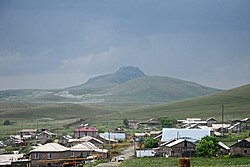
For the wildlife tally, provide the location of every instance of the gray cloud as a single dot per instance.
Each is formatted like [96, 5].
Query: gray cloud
[202, 41]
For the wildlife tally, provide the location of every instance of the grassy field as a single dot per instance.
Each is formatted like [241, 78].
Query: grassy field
[194, 162]
[110, 116]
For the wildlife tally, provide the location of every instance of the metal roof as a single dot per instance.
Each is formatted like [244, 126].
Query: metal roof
[117, 136]
[174, 133]
[50, 147]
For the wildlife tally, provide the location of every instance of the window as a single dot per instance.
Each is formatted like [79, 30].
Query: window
[36, 156]
[49, 156]
[245, 151]
[72, 154]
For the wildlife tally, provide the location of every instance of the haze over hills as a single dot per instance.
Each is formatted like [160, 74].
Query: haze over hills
[127, 85]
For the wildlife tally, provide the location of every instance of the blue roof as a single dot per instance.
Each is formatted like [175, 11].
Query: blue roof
[114, 136]
[173, 133]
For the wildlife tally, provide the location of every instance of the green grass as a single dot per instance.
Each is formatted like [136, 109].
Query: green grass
[236, 102]
[194, 162]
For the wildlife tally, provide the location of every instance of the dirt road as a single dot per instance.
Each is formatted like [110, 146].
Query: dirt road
[127, 153]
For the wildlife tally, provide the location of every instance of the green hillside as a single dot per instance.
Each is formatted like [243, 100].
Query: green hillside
[236, 102]
[54, 111]
[156, 89]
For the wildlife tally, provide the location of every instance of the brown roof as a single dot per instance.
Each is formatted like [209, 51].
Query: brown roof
[86, 129]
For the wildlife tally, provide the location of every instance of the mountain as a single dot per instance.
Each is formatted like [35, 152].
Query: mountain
[127, 85]
[236, 106]
[102, 82]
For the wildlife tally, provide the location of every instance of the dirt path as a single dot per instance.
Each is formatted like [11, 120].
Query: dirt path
[127, 153]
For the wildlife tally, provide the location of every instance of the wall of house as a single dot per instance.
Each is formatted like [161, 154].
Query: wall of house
[181, 149]
[43, 158]
[79, 134]
[240, 151]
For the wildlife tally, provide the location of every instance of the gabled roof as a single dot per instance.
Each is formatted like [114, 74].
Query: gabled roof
[171, 144]
[173, 133]
[50, 147]
[234, 125]
[87, 146]
[83, 146]
[85, 139]
[86, 129]
[211, 119]
[247, 141]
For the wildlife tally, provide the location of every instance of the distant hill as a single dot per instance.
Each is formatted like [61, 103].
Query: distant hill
[127, 85]
[236, 106]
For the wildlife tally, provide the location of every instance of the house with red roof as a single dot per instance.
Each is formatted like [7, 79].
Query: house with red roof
[85, 131]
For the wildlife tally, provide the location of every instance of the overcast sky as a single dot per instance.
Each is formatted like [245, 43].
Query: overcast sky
[62, 43]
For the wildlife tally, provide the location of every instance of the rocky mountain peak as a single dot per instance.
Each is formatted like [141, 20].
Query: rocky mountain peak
[131, 71]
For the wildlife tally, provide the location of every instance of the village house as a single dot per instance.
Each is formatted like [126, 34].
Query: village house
[191, 122]
[241, 148]
[222, 128]
[87, 149]
[191, 134]
[95, 141]
[114, 136]
[177, 148]
[50, 154]
[211, 121]
[45, 136]
[107, 141]
[64, 139]
[237, 127]
[134, 124]
[28, 133]
[223, 149]
[85, 131]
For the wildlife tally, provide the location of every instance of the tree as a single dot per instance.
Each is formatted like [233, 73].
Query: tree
[125, 123]
[150, 143]
[166, 122]
[6, 122]
[207, 147]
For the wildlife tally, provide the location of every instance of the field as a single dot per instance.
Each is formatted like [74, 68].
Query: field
[109, 116]
[194, 162]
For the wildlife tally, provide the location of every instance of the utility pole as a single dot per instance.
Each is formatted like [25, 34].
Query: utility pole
[222, 119]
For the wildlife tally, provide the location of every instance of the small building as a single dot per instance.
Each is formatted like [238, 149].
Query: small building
[223, 149]
[114, 136]
[87, 149]
[177, 148]
[174, 133]
[44, 136]
[95, 141]
[222, 128]
[241, 148]
[237, 127]
[145, 153]
[64, 139]
[211, 121]
[134, 124]
[50, 154]
[28, 133]
[85, 131]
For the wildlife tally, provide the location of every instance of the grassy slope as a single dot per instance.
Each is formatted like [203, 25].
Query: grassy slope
[156, 89]
[55, 111]
[236, 102]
